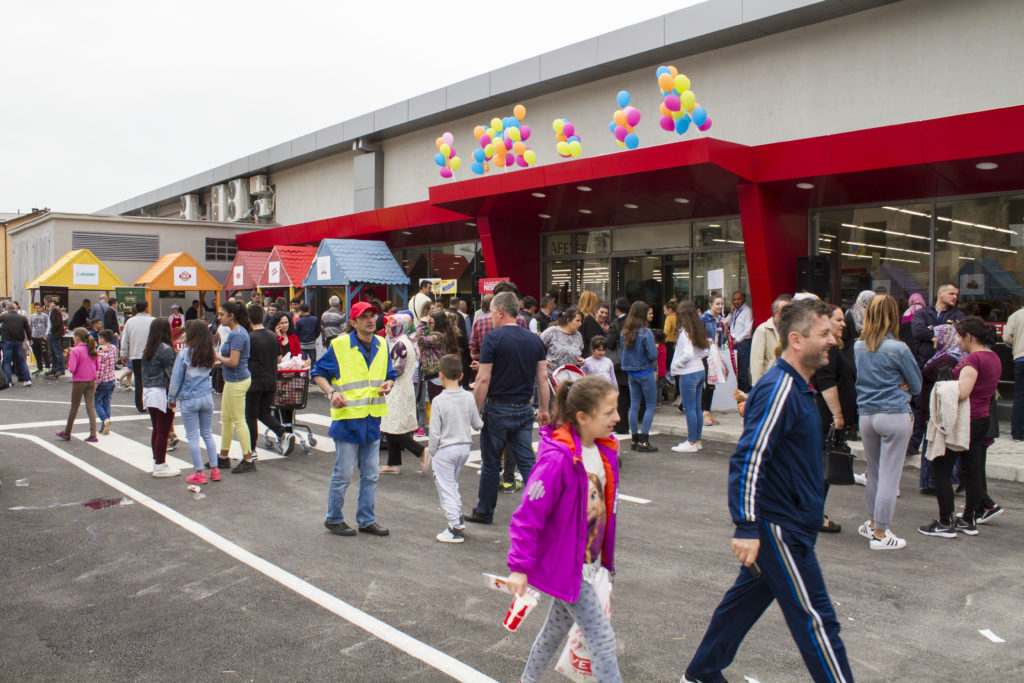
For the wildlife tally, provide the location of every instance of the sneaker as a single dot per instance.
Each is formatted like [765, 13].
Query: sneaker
[244, 466]
[420, 432]
[91, 439]
[451, 535]
[339, 528]
[106, 427]
[865, 530]
[164, 470]
[478, 518]
[27, 384]
[988, 514]
[223, 463]
[685, 447]
[700, 445]
[64, 435]
[965, 527]
[510, 486]
[214, 474]
[937, 528]
[888, 542]
[196, 478]
[172, 441]
[860, 479]
[286, 444]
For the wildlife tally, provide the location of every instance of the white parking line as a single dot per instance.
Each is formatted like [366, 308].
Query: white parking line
[62, 403]
[61, 423]
[431, 656]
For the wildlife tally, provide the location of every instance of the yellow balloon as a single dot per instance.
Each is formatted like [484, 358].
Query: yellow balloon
[513, 133]
[496, 123]
[557, 125]
[455, 163]
[681, 83]
[563, 148]
[446, 150]
[519, 111]
[575, 148]
[490, 133]
[688, 100]
[489, 151]
[620, 143]
[530, 156]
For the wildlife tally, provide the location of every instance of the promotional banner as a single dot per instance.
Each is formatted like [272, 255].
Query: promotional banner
[85, 274]
[185, 276]
[487, 283]
[58, 294]
[446, 287]
[127, 297]
[238, 275]
[274, 272]
[323, 267]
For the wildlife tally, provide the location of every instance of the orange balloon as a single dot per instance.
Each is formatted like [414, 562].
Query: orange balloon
[620, 117]
[665, 82]
[674, 71]
[561, 138]
[487, 167]
[665, 111]
[499, 161]
[438, 142]
[519, 148]
[478, 132]
[519, 111]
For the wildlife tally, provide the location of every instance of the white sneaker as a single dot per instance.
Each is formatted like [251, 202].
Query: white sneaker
[451, 535]
[286, 444]
[860, 479]
[26, 384]
[162, 470]
[685, 447]
[700, 445]
[888, 542]
[865, 530]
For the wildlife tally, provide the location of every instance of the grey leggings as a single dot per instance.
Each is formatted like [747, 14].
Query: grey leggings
[885, 437]
[597, 632]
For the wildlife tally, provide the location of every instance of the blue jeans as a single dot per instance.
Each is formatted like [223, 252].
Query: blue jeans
[743, 361]
[103, 392]
[56, 346]
[1017, 417]
[14, 361]
[505, 424]
[646, 386]
[368, 457]
[197, 414]
[691, 386]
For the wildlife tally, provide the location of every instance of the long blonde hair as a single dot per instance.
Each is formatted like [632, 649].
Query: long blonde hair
[588, 303]
[881, 318]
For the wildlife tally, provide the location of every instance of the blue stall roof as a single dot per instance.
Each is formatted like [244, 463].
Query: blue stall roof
[341, 262]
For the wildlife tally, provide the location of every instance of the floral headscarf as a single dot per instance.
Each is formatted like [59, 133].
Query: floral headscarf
[946, 342]
[917, 302]
[396, 325]
[860, 307]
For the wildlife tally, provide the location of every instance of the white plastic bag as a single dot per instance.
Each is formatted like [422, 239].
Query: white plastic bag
[718, 370]
[574, 662]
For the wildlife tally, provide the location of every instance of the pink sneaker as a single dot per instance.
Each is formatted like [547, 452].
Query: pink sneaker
[196, 478]
[64, 435]
[420, 432]
[214, 474]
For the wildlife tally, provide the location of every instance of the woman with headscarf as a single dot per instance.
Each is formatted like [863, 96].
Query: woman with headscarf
[948, 355]
[436, 338]
[916, 303]
[400, 421]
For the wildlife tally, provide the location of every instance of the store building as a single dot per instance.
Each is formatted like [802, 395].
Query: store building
[881, 139]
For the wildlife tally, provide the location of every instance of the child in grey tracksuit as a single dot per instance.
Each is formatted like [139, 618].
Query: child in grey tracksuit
[453, 416]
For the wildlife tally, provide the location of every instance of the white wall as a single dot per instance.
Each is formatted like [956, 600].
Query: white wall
[319, 189]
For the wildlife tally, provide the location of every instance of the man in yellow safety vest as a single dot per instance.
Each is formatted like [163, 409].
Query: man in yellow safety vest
[355, 373]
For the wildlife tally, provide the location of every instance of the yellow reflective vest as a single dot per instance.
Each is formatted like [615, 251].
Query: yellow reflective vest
[359, 384]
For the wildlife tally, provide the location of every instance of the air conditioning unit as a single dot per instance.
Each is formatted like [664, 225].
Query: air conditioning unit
[264, 207]
[219, 203]
[239, 203]
[258, 185]
[189, 207]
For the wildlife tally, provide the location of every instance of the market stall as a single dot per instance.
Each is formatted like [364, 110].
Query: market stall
[77, 270]
[352, 265]
[245, 271]
[172, 276]
[285, 269]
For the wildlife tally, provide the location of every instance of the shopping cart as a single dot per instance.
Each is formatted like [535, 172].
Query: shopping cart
[291, 395]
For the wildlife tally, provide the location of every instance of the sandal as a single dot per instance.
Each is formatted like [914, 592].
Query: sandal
[389, 469]
[424, 462]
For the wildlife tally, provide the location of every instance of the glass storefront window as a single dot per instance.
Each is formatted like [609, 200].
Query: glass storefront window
[718, 233]
[593, 242]
[656, 236]
[558, 277]
[594, 277]
[558, 244]
[724, 271]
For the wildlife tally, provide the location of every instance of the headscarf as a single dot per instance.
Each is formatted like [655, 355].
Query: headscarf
[946, 342]
[860, 307]
[917, 302]
[396, 325]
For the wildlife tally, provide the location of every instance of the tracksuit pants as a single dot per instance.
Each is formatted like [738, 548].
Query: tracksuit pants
[791, 575]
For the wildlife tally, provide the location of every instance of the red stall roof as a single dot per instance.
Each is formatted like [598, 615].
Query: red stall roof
[287, 266]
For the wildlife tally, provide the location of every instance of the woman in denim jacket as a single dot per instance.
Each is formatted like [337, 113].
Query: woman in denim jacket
[887, 376]
[191, 387]
[714, 325]
[640, 363]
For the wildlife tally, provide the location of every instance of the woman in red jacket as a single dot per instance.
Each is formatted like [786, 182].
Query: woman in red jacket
[289, 342]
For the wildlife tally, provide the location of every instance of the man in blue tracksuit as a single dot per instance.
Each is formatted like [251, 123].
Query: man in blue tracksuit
[776, 500]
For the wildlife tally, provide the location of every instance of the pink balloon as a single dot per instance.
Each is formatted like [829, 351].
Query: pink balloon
[446, 173]
[633, 116]
[524, 132]
[672, 102]
[451, 153]
[568, 129]
[667, 123]
[621, 133]
[521, 161]
[705, 125]
[448, 139]
[485, 140]
[510, 158]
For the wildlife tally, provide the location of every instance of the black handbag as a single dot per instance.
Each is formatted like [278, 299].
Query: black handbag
[837, 460]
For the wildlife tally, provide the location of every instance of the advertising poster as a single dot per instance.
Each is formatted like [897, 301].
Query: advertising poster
[238, 275]
[185, 276]
[274, 272]
[85, 274]
[323, 267]
[127, 297]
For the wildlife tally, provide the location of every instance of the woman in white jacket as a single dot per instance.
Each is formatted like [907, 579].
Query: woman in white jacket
[688, 369]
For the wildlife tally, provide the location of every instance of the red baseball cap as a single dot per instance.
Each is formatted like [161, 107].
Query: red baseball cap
[362, 307]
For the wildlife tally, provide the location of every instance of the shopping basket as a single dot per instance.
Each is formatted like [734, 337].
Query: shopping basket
[291, 394]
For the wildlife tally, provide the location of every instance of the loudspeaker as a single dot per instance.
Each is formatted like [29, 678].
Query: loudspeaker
[813, 274]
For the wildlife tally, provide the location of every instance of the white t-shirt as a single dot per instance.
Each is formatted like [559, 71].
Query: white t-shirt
[597, 513]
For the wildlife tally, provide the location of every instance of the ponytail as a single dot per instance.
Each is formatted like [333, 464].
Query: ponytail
[582, 395]
[82, 335]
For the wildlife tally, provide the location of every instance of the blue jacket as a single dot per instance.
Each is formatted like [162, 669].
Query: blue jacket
[775, 472]
[188, 381]
[643, 355]
[711, 327]
[880, 374]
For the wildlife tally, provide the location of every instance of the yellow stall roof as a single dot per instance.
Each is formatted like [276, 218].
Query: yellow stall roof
[176, 272]
[78, 269]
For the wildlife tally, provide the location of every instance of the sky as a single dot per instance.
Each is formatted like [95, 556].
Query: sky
[105, 100]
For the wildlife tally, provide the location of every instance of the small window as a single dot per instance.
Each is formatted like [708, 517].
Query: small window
[218, 249]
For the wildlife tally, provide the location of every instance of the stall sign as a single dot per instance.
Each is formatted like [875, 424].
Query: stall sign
[85, 274]
[487, 284]
[238, 276]
[323, 267]
[185, 276]
[274, 272]
[127, 297]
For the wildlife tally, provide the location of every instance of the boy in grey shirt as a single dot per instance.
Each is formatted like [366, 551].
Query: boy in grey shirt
[453, 416]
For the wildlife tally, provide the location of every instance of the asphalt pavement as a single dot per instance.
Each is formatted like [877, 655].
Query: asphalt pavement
[111, 575]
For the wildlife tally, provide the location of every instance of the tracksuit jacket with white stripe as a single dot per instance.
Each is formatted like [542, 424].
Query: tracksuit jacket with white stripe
[775, 474]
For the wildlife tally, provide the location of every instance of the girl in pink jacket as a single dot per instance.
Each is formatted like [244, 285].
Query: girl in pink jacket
[564, 530]
[83, 366]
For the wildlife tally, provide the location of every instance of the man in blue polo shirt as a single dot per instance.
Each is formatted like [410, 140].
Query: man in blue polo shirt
[776, 500]
[356, 373]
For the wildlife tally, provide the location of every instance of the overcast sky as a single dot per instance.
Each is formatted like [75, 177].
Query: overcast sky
[104, 100]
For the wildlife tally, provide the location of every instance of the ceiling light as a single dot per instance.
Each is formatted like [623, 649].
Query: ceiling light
[539, 195]
[681, 200]
[471, 224]
[406, 232]
[585, 211]
[544, 215]
[631, 206]
[805, 186]
[986, 166]
[583, 188]
[714, 225]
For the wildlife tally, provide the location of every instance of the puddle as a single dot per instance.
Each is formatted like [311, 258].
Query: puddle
[99, 503]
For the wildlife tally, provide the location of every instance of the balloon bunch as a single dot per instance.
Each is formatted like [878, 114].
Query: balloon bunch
[445, 157]
[680, 107]
[569, 144]
[624, 121]
[503, 143]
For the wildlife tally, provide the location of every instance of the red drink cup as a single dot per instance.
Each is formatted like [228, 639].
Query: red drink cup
[519, 610]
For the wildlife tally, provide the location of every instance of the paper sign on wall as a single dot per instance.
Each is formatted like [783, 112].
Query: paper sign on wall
[274, 272]
[323, 267]
[85, 274]
[238, 275]
[716, 280]
[446, 287]
[185, 276]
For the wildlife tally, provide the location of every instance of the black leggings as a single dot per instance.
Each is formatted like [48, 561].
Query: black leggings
[259, 405]
[396, 442]
[972, 474]
[709, 391]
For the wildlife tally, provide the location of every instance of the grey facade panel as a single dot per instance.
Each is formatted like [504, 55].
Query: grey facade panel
[259, 160]
[568, 60]
[515, 76]
[364, 200]
[427, 104]
[391, 116]
[279, 153]
[775, 16]
[304, 145]
[468, 91]
[330, 136]
[703, 19]
[163, 193]
[239, 167]
[359, 126]
[632, 40]
[222, 174]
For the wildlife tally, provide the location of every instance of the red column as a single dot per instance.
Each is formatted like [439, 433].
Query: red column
[511, 252]
[773, 237]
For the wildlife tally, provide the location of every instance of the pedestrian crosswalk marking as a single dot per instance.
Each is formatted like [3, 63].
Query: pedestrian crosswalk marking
[131, 452]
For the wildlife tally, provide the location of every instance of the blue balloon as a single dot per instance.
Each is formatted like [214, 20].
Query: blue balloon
[611, 126]
[479, 155]
[700, 115]
[632, 141]
[477, 167]
[439, 159]
[622, 98]
[663, 70]
[574, 138]
[682, 123]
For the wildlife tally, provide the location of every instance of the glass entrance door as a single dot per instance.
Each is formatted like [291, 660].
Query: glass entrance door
[720, 272]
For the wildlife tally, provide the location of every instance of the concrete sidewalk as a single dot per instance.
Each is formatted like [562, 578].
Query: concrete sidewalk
[1005, 456]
